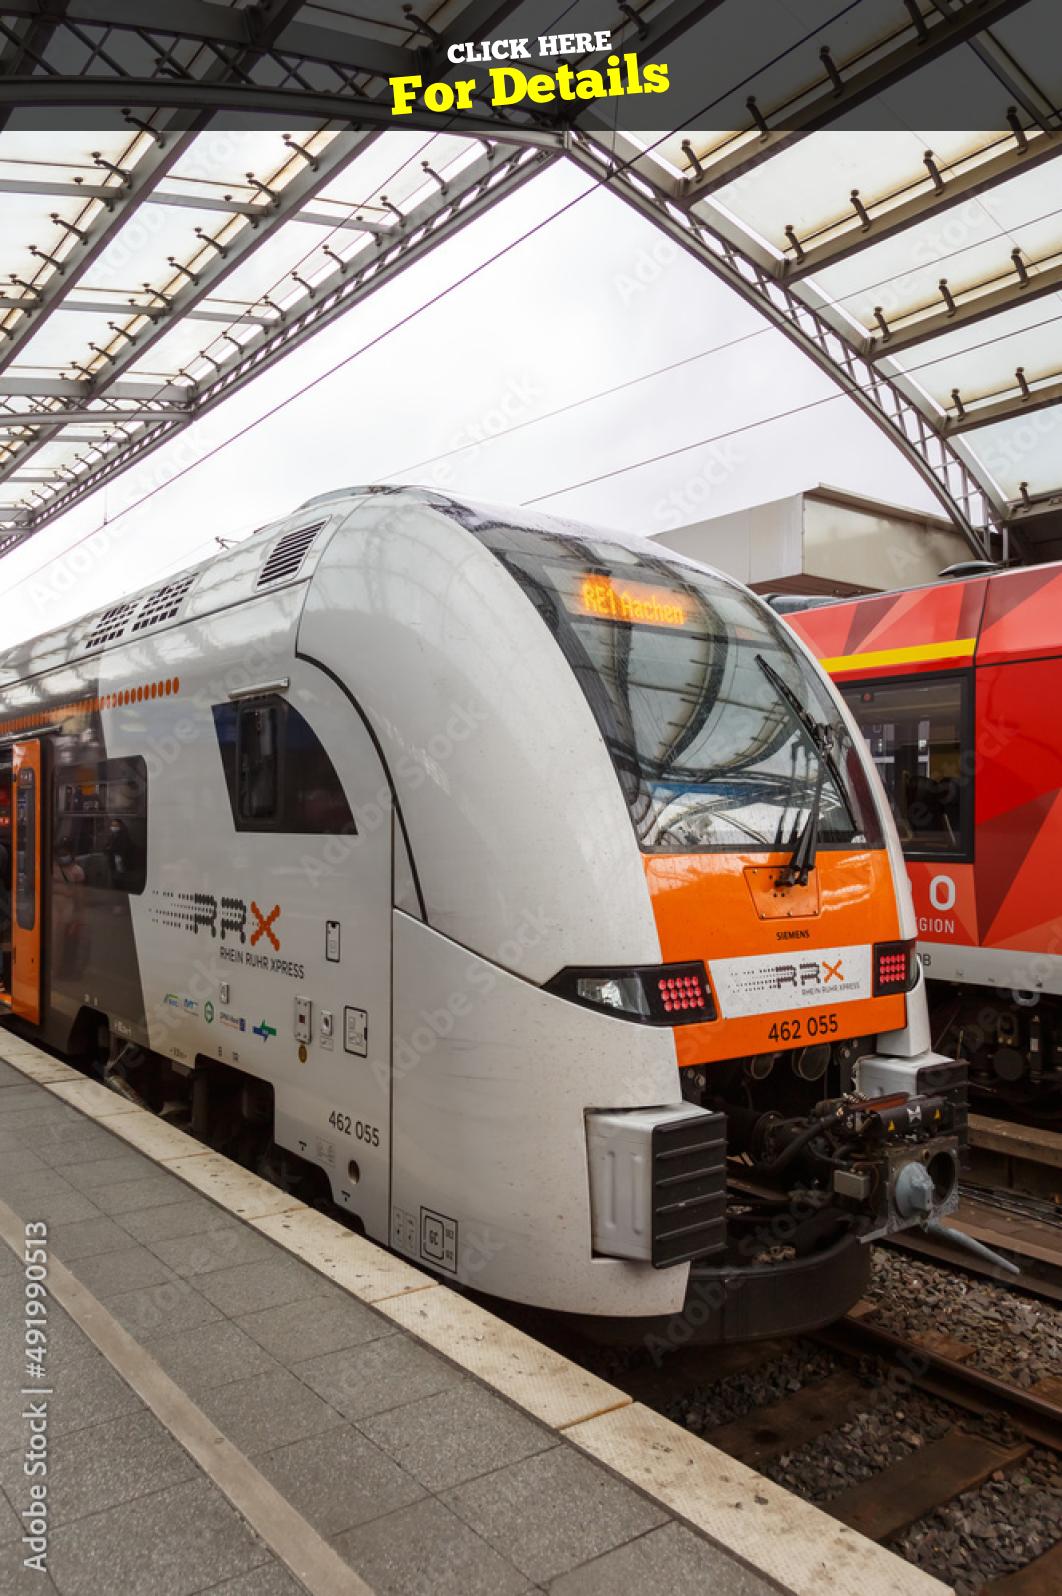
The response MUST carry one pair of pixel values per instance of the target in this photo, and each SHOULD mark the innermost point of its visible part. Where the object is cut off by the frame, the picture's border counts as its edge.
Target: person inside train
(124, 856)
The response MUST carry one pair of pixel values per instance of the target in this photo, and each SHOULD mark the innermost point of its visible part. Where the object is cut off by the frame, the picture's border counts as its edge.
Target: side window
(277, 771)
(257, 762)
(101, 825)
(918, 730)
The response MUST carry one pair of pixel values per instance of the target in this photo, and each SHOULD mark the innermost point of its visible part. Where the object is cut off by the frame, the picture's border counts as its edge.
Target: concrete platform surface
(245, 1398)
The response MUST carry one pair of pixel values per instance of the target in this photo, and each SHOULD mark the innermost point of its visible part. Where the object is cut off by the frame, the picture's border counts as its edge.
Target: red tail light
(895, 967)
(683, 994)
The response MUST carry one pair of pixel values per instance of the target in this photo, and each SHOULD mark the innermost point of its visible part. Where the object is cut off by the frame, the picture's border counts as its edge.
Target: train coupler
(913, 1117)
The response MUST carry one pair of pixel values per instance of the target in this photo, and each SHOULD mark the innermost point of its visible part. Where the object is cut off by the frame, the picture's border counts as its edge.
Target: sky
(560, 352)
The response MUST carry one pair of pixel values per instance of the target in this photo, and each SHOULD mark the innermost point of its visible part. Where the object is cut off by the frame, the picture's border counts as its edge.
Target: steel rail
(1036, 1416)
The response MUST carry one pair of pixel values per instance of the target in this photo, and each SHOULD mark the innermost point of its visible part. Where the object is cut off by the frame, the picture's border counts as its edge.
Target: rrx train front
(659, 1039)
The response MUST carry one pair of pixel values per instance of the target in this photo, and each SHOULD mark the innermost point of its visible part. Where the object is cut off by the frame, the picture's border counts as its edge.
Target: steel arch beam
(229, 30)
(186, 299)
(190, 95)
(969, 504)
(477, 189)
(172, 138)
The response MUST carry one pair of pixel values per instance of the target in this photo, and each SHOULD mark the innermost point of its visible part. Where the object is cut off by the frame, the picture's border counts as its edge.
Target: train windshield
(713, 719)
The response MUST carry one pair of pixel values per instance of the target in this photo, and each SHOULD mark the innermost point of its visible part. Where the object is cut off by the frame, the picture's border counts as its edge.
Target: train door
(25, 912)
(6, 875)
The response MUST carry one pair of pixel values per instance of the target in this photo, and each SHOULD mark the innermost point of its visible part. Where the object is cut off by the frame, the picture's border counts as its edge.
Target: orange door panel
(26, 882)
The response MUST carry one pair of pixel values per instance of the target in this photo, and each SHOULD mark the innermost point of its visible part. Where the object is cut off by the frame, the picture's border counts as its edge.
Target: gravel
(995, 1530)
(877, 1432)
(1014, 1336)
(707, 1405)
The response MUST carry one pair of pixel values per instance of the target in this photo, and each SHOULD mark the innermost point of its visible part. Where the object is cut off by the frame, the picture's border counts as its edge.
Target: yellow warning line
(953, 648)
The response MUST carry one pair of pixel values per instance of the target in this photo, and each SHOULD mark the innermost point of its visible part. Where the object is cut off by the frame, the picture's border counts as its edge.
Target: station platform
(239, 1395)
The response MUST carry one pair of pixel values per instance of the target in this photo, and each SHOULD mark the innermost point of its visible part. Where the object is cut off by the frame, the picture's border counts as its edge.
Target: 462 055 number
(362, 1132)
(810, 1028)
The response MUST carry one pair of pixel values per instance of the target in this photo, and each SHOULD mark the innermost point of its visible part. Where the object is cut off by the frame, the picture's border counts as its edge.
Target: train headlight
(658, 994)
(623, 992)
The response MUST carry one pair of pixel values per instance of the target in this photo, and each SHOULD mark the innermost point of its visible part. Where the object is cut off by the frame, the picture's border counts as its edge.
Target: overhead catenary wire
(810, 33)
(789, 49)
(402, 471)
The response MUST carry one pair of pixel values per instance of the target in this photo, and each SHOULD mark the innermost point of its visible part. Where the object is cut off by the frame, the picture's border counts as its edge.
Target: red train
(957, 688)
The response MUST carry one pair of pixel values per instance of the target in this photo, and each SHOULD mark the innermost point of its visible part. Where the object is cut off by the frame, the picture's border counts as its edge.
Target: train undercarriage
(1011, 1042)
(810, 1170)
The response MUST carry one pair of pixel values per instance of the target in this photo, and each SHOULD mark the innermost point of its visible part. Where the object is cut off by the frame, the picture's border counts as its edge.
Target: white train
(509, 881)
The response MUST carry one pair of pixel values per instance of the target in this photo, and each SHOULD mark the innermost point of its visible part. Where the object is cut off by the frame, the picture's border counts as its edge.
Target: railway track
(874, 1365)
(1010, 1199)
(962, 1459)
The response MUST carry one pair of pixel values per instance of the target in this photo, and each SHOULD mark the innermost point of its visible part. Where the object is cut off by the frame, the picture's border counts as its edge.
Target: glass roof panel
(28, 223)
(981, 358)
(969, 244)
(898, 110)
(267, 270)
(59, 453)
(228, 155)
(857, 34)
(1022, 449)
(376, 19)
(391, 164)
(177, 347)
(63, 338)
(61, 155)
(809, 184)
(140, 252)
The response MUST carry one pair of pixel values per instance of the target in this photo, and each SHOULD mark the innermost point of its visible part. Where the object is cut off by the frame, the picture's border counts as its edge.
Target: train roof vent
(163, 604)
(286, 556)
(111, 625)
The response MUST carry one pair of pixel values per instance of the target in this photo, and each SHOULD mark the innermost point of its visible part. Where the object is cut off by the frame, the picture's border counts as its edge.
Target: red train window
(920, 738)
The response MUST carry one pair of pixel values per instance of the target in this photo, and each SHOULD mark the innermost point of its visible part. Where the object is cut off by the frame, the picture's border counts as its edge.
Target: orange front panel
(716, 906)
(26, 883)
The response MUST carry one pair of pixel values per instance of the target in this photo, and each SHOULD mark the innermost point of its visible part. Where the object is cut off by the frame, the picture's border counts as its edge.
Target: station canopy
(190, 190)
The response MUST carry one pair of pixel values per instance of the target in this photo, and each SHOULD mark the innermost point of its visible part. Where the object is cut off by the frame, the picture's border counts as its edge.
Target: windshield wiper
(806, 846)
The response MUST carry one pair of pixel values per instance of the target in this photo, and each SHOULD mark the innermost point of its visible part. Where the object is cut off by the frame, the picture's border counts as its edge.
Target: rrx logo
(227, 918)
(807, 973)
